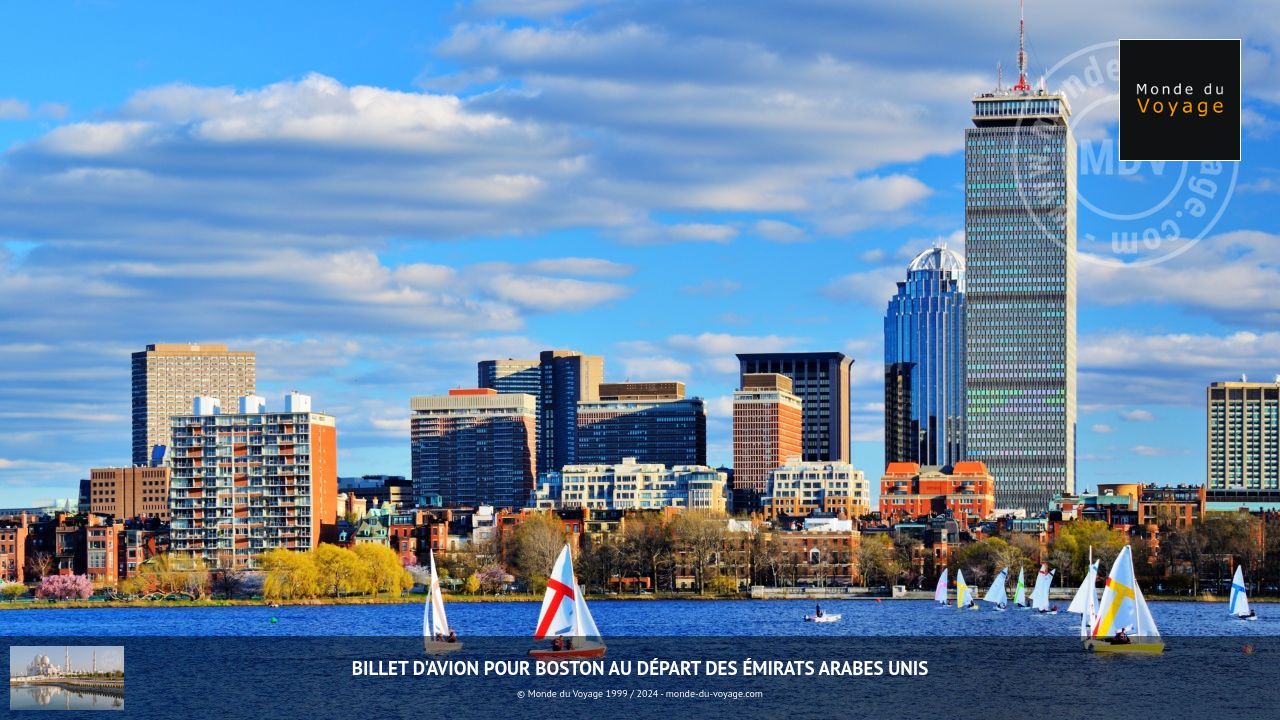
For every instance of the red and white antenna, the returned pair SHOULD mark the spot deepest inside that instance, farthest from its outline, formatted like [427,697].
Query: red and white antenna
[1022,85]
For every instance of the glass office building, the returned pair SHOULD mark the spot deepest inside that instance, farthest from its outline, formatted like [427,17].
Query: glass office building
[1020,294]
[924,362]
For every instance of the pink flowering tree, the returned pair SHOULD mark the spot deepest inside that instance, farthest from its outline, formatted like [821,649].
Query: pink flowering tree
[492,578]
[65,587]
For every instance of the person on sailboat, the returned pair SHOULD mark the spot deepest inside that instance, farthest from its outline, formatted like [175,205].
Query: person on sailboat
[817,610]
[1121,638]
[556,643]
[453,635]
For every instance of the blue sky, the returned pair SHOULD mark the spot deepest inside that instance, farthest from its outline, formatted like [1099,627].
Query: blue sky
[373,198]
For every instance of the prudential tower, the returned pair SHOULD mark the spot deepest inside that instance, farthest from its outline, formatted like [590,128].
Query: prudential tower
[1020,252]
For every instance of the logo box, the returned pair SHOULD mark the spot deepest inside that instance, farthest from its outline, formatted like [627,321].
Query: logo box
[1180,100]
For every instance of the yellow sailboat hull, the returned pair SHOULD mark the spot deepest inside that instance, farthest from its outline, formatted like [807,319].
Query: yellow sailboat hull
[1095,645]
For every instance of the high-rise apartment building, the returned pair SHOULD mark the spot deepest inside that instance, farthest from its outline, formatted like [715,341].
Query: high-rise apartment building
[1243,445]
[167,376]
[473,447]
[250,481]
[1020,293]
[768,427]
[130,492]
[924,362]
[821,381]
[568,378]
[510,376]
[650,422]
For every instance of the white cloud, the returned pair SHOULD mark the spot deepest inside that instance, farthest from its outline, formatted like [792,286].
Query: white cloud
[1101,428]
[643,369]
[779,231]
[1138,415]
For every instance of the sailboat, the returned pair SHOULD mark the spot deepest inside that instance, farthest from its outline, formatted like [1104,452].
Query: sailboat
[1040,593]
[436,632]
[1020,595]
[1085,603]
[940,592]
[1238,605]
[964,598]
[997,595]
[1124,610]
[565,617]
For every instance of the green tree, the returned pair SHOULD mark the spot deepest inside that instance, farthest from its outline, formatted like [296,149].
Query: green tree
[877,560]
[1069,551]
[174,574]
[12,591]
[984,559]
[384,572]
[288,575]
[339,570]
[472,585]
[723,585]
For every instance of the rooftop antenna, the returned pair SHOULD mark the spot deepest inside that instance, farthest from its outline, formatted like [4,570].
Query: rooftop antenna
[1022,85]
[999,77]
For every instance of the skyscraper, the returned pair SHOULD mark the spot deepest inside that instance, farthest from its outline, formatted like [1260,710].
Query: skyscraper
[510,376]
[767,429]
[821,381]
[924,362]
[568,378]
[473,447]
[167,377]
[1020,324]
[1243,445]
[250,481]
[650,422]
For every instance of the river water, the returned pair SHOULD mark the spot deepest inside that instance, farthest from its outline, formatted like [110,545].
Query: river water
[616,618]
[54,697]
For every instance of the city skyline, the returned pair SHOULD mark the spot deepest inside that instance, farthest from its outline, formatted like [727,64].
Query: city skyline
[623,230]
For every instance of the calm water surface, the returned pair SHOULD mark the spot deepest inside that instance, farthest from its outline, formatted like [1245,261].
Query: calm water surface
[53,697]
[616,618]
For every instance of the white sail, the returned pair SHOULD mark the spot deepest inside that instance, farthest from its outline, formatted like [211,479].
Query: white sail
[1239,602]
[1020,595]
[940,592]
[1040,594]
[963,596]
[564,606]
[434,620]
[1085,603]
[1088,589]
[584,624]
[1123,606]
[997,595]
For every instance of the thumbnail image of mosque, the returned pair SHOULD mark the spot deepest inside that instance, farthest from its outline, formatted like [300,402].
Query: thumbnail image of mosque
[66,678]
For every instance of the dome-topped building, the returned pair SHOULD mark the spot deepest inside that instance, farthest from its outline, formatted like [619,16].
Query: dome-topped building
[41,665]
[938,258]
[924,362]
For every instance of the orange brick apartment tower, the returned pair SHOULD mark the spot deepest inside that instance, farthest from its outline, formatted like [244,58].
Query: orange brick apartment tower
[767,430]
[909,491]
[130,492]
[247,482]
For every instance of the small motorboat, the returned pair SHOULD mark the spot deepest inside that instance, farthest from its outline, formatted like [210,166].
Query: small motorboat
[823,618]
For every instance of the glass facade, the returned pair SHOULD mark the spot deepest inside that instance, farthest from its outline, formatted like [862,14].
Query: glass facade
[1020,326]
[924,358]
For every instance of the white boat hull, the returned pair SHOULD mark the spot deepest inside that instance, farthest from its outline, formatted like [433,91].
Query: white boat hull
[822,618]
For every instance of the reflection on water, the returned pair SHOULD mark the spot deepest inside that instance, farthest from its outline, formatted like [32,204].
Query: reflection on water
[57,697]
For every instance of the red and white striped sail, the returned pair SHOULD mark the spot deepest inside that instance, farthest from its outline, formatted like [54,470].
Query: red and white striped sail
[557,617]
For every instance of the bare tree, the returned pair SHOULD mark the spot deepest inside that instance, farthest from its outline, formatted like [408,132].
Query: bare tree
[646,544]
[40,564]
[700,535]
